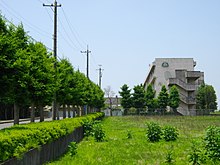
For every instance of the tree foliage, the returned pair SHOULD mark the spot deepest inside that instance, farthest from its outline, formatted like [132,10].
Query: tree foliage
[27,74]
[206,97]
[163,99]
[174,98]
[126,101]
[150,95]
[138,98]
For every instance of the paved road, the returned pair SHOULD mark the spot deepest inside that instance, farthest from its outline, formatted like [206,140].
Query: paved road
[9,123]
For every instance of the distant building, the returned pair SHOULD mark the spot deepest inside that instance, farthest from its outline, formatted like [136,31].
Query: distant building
[179,72]
[113,102]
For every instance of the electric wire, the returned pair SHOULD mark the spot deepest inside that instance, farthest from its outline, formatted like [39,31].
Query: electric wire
[72,31]
[25,21]
[30,37]
[68,36]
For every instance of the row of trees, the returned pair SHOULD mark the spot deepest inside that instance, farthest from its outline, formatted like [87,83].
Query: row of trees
[141,99]
[28,76]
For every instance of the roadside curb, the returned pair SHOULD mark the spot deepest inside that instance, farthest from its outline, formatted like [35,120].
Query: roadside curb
[20,120]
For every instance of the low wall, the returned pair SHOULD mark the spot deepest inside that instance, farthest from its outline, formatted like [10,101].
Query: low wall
[48,152]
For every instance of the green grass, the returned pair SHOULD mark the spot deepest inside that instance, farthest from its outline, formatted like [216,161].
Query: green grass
[118,150]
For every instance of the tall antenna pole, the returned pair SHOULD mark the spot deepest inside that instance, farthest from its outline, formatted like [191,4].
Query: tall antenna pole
[100,75]
[55,5]
[87,63]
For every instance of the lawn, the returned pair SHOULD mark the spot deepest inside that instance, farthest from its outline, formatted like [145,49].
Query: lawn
[117,149]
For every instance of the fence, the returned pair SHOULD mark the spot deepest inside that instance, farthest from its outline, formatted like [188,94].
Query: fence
[48,152]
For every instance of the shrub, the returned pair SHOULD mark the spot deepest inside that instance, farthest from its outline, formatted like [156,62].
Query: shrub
[87,127]
[72,148]
[98,132]
[154,132]
[212,142]
[16,140]
[196,155]
[170,133]
[169,156]
[129,134]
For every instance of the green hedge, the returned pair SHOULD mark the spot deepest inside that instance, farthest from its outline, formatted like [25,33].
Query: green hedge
[17,140]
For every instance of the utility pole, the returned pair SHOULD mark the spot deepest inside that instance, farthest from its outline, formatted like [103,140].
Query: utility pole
[87,65]
[55,5]
[100,75]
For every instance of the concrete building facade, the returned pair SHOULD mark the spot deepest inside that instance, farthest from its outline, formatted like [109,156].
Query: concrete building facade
[179,72]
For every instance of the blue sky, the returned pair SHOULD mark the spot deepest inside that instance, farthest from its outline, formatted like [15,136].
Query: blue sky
[125,36]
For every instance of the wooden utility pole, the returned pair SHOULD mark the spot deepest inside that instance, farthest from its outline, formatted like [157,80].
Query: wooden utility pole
[100,75]
[87,63]
[55,5]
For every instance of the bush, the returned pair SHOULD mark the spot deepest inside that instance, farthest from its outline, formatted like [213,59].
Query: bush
[98,132]
[16,140]
[212,142]
[154,132]
[196,155]
[169,156]
[170,133]
[129,134]
[72,148]
[87,127]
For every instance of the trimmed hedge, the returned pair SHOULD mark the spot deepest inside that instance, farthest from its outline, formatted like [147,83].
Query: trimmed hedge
[17,140]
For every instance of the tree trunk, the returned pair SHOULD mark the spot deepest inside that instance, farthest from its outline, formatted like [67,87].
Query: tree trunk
[125,111]
[54,110]
[64,111]
[6,113]
[75,111]
[41,109]
[87,110]
[32,112]
[84,110]
[16,114]
[68,109]
[58,110]
[80,110]
[175,111]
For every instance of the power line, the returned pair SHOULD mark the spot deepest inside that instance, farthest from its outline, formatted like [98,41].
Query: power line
[26,22]
[71,29]
[68,36]
[43,2]
[30,37]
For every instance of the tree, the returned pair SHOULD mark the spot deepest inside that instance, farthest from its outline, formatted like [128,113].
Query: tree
[109,94]
[174,98]
[126,101]
[138,98]
[206,97]
[63,78]
[41,83]
[17,65]
[98,101]
[163,99]
[150,98]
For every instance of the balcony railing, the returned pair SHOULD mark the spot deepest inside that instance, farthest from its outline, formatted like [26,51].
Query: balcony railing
[187,99]
[188,87]
[193,74]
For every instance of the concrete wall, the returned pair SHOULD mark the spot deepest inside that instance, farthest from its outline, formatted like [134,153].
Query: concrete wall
[163,72]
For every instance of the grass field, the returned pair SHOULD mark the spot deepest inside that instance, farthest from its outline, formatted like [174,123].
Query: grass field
[117,149]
